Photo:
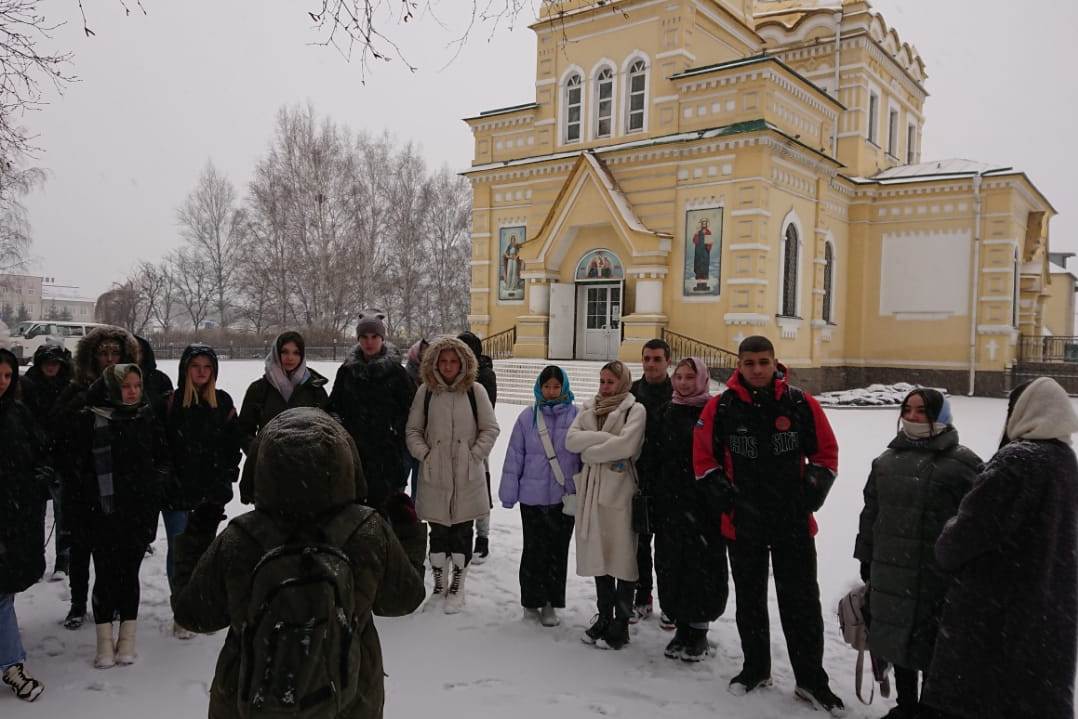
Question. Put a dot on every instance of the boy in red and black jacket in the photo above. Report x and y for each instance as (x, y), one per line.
(768, 458)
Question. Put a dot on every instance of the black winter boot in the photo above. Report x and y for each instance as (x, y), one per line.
(604, 600)
(696, 648)
(677, 644)
(76, 616)
(617, 634)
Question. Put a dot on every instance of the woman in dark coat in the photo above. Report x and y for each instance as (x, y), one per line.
(22, 501)
(690, 552)
(122, 462)
(40, 387)
(203, 436)
(1008, 637)
(101, 348)
(287, 383)
(914, 488)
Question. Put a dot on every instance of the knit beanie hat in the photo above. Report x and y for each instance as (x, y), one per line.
(371, 322)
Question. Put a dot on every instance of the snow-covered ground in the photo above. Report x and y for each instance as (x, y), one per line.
(875, 395)
(487, 661)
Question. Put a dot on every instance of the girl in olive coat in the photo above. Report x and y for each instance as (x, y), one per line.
(914, 488)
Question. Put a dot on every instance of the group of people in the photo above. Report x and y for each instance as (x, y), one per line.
(972, 568)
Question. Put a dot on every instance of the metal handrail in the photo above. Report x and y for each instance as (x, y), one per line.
(500, 346)
(682, 347)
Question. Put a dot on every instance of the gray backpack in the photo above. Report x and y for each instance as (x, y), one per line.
(300, 643)
(853, 620)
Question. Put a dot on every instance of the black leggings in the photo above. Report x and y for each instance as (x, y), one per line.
(116, 584)
(455, 539)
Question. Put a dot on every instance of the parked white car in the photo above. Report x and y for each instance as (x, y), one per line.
(28, 336)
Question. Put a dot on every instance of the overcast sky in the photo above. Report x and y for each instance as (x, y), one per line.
(160, 94)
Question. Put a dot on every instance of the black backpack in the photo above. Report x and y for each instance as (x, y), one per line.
(427, 394)
(300, 642)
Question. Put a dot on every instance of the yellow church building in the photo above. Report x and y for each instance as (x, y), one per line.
(705, 170)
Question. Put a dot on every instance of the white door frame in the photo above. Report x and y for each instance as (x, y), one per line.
(607, 338)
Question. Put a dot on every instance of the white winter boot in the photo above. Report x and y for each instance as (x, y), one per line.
(454, 600)
(105, 647)
(437, 570)
(125, 645)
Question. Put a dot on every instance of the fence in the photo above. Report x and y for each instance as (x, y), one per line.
(500, 346)
(716, 357)
(1047, 349)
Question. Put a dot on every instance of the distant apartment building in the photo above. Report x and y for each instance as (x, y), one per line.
(33, 297)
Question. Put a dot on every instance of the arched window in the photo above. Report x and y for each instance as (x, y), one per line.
(604, 102)
(828, 281)
(574, 105)
(791, 247)
(638, 86)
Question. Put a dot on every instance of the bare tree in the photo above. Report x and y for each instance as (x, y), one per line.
(159, 289)
(447, 244)
(15, 239)
(194, 284)
(213, 225)
(407, 263)
(123, 306)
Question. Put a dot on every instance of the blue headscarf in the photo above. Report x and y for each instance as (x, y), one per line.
(566, 396)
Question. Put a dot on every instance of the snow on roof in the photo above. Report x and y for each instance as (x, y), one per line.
(618, 197)
(954, 166)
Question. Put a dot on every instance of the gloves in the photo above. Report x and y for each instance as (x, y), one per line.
(719, 493)
(866, 571)
(818, 482)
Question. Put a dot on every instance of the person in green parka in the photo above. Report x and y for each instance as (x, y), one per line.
(306, 486)
(914, 487)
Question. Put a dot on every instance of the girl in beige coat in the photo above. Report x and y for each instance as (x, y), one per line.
(451, 430)
(608, 434)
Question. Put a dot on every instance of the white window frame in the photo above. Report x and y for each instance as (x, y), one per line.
(563, 116)
(634, 58)
(791, 220)
(608, 66)
(911, 143)
(873, 114)
(893, 117)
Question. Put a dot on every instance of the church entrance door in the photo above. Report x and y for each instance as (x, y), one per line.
(598, 312)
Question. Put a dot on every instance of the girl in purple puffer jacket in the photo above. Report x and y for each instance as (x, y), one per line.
(529, 477)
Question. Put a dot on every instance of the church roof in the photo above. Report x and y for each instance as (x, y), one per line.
(954, 166)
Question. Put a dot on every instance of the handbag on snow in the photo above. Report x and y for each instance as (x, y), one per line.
(568, 500)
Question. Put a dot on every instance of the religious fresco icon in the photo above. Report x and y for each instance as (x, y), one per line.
(599, 265)
(703, 252)
(510, 265)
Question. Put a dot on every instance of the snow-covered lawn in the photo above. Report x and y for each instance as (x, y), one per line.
(488, 662)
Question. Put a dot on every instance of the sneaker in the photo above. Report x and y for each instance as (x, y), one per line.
(23, 685)
(696, 648)
(823, 699)
(676, 645)
(548, 616)
(481, 551)
(597, 629)
(75, 617)
(181, 633)
(616, 635)
(748, 681)
(666, 622)
(641, 609)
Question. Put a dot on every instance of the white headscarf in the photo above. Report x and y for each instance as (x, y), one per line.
(1043, 411)
(284, 382)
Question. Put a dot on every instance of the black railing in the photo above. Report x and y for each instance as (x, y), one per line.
(716, 357)
(1047, 349)
(500, 346)
(326, 353)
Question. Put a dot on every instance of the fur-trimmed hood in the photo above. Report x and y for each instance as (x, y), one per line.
(379, 366)
(86, 371)
(468, 364)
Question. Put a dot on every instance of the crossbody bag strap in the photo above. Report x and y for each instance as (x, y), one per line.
(548, 447)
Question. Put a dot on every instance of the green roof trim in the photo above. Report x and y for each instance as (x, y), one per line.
(504, 110)
(754, 60)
